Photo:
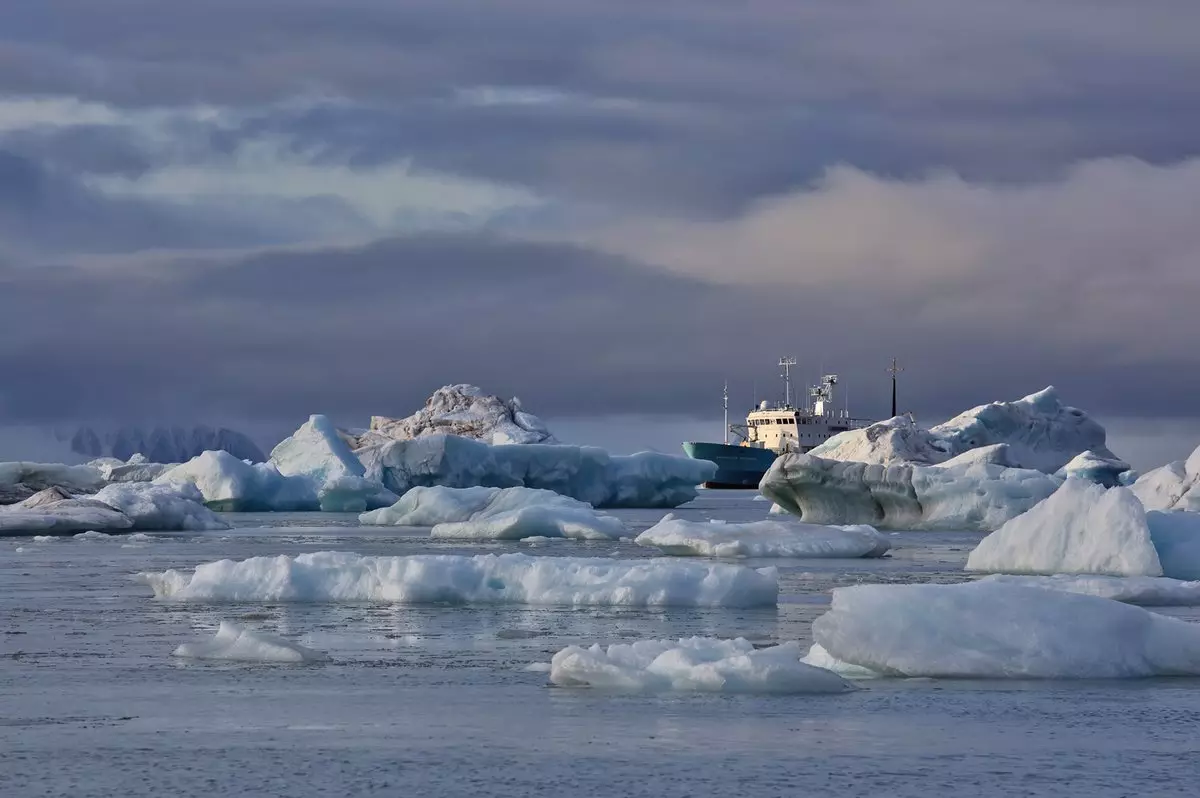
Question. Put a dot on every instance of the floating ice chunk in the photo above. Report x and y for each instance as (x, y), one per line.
(317, 452)
(994, 630)
(497, 514)
(233, 485)
(1175, 486)
(20, 480)
(968, 497)
(328, 576)
(162, 507)
(1083, 528)
(820, 658)
(53, 510)
(1146, 591)
(239, 644)
(696, 664)
(678, 537)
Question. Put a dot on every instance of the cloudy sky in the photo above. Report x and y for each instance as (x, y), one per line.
(245, 211)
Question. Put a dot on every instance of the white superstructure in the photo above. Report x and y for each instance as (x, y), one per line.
(784, 428)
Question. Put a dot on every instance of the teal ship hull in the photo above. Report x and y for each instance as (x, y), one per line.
(737, 466)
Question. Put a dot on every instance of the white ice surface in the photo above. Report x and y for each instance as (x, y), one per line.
(1095, 467)
(820, 658)
(161, 507)
(19, 480)
(678, 537)
(1147, 591)
(317, 452)
(328, 576)
(996, 630)
(236, 643)
(467, 411)
(1175, 486)
(51, 510)
(1083, 528)
(229, 484)
(693, 664)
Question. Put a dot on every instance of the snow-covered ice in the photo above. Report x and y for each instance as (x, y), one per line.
(694, 664)
(1083, 528)
(236, 643)
(996, 630)
(162, 507)
(679, 537)
(327, 576)
(977, 496)
(232, 485)
(1147, 591)
(1038, 432)
(317, 452)
(1096, 467)
(1175, 486)
(467, 411)
(647, 479)
(497, 514)
(54, 510)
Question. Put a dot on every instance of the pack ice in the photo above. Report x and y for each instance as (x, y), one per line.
(694, 664)
(996, 630)
(497, 514)
(1175, 486)
(972, 496)
(677, 537)
(236, 643)
(591, 475)
(1084, 528)
(328, 576)
(1037, 432)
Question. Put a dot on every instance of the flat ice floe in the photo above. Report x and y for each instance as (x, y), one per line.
(701, 664)
(677, 537)
(1147, 591)
(497, 514)
(328, 576)
(996, 630)
(239, 644)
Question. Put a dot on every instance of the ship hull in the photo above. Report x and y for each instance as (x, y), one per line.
(738, 467)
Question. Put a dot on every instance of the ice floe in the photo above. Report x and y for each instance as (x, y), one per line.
(978, 496)
(492, 579)
(678, 537)
(693, 664)
(1147, 591)
(236, 643)
(996, 630)
(497, 514)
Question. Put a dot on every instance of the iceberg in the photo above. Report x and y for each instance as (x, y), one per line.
(21, 480)
(466, 411)
(693, 664)
(677, 537)
(996, 630)
(977, 496)
(1146, 591)
(497, 514)
(353, 495)
(161, 507)
(137, 469)
(238, 644)
(1083, 528)
(1095, 467)
(231, 485)
(585, 473)
(1175, 486)
(327, 576)
(1038, 432)
(316, 451)
(54, 510)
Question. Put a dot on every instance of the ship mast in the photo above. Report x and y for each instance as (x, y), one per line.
(894, 370)
(726, 397)
(786, 363)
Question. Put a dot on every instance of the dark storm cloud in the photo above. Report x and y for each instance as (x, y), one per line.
(375, 330)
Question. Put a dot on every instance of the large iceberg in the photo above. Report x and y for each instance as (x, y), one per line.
(1086, 529)
(54, 510)
(467, 411)
(236, 643)
(318, 454)
(497, 514)
(21, 480)
(694, 664)
(996, 630)
(1039, 432)
(675, 536)
(327, 576)
(591, 475)
(1175, 486)
(161, 507)
(232, 485)
(978, 496)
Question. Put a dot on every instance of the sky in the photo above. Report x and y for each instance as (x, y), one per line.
(247, 211)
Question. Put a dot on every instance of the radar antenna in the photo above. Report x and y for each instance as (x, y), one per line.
(786, 364)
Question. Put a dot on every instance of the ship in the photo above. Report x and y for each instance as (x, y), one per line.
(772, 429)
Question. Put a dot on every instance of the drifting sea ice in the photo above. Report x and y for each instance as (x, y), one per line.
(677, 537)
(327, 576)
(239, 644)
(497, 514)
(996, 630)
(695, 664)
